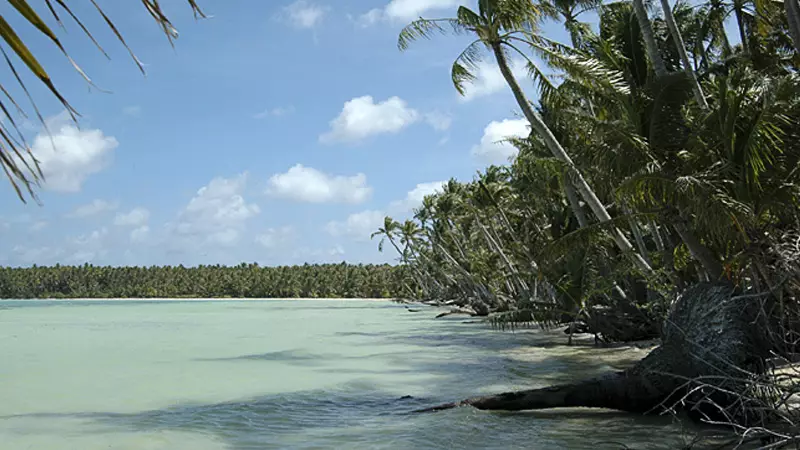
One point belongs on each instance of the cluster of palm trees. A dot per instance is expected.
(666, 155)
(242, 281)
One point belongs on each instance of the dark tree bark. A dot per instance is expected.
(711, 334)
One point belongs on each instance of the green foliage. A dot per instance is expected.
(242, 281)
(16, 159)
(704, 190)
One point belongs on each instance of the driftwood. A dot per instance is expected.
(467, 311)
(712, 342)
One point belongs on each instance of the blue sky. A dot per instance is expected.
(276, 132)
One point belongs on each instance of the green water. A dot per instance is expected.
(282, 374)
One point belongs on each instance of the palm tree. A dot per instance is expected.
(649, 38)
(687, 65)
(499, 26)
(389, 231)
(16, 159)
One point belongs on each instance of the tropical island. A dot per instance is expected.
(656, 197)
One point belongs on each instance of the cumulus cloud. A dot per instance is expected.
(359, 225)
(492, 148)
(414, 197)
(361, 118)
(407, 10)
(140, 234)
(306, 184)
(69, 156)
(488, 80)
(216, 215)
(276, 237)
(134, 218)
(94, 208)
(304, 14)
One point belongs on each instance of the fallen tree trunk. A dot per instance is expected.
(712, 343)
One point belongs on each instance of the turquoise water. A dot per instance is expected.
(283, 374)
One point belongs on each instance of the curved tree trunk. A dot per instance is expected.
(709, 337)
(687, 65)
(538, 125)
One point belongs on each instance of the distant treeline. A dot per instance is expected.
(242, 281)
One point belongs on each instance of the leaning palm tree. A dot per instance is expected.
(16, 158)
(669, 17)
(501, 26)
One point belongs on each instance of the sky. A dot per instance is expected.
(277, 132)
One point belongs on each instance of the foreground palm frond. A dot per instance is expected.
(16, 157)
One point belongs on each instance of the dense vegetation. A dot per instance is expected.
(243, 281)
(665, 156)
(657, 195)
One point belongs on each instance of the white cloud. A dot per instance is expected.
(140, 234)
(134, 218)
(303, 14)
(359, 225)
(92, 209)
(490, 81)
(306, 184)
(216, 215)
(277, 111)
(361, 118)
(414, 197)
(492, 149)
(92, 239)
(370, 17)
(439, 121)
(276, 237)
(77, 154)
(408, 10)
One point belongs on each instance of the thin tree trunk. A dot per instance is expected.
(687, 65)
(737, 9)
(792, 8)
(700, 252)
(637, 236)
(649, 40)
(574, 203)
(558, 151)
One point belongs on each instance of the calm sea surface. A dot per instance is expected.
(283, 374)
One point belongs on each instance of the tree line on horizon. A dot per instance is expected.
(204, 281)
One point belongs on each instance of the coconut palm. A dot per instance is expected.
(687, 65)
(16, 159)
(500, 26)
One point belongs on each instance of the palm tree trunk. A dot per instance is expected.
(687, 65)
(699, 251)
(737, 9)
(649, 40)
(558, 151)
(792, 8)
(574, 203)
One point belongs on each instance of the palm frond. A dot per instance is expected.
(16, 158)
(426, 28)
(465, 65)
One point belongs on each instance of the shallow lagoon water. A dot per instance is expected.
(285, 374)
